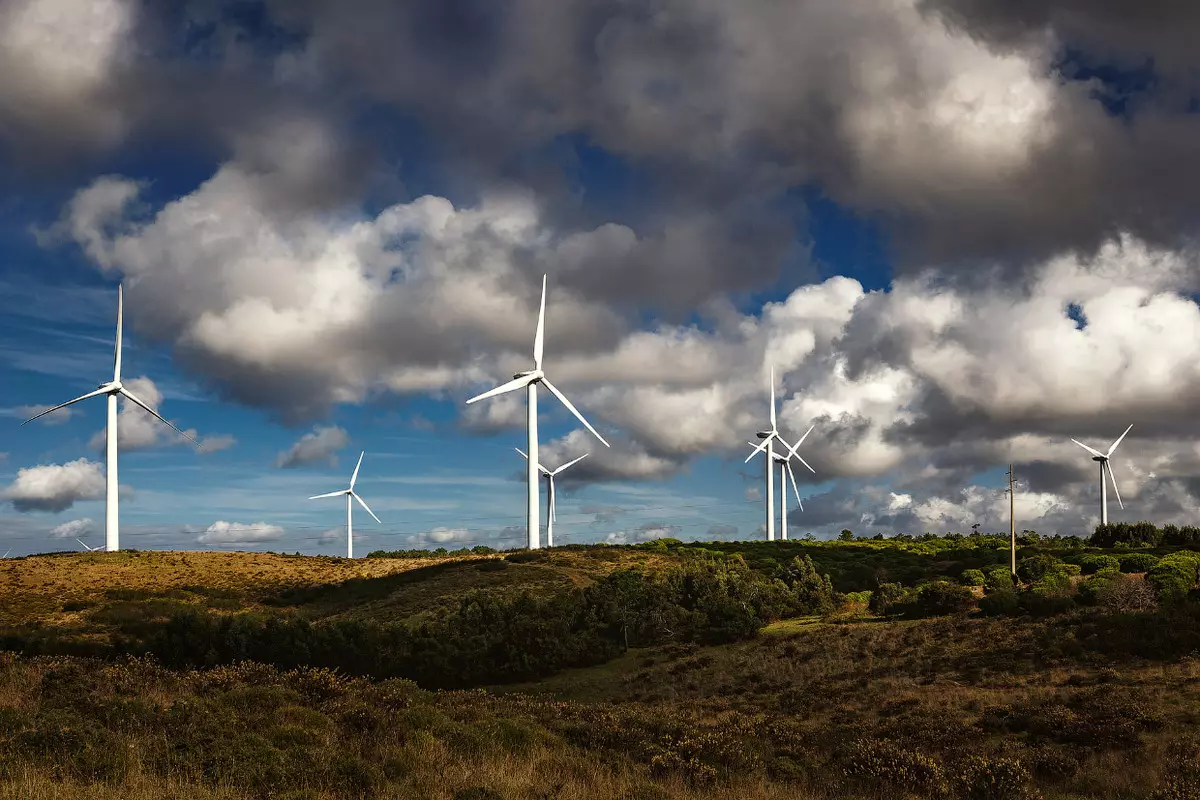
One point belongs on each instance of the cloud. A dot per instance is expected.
(953, 122)
(55, 487)
(721, 532)
(602, 515)
(240, 534)
(644, 533)
(449, 538)
(321, 444)
(75, 529)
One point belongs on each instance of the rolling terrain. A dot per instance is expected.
(657, 671)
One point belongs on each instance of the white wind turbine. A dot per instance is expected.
(6, 552)
(785, 468)
(768, 437)
(112, 390)
(98, 547)
(351, 495)
(1104, 465)
(550, 515)
(530, 381)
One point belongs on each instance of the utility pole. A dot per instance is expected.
(1012, 522)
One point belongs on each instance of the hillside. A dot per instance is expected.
(658, 671)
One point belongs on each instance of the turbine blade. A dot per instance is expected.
(101, 390)
(761, 446)
(772, 398)
(800, 441)
(805, 463)
(541, 469)
(1118, 441)
(329, 494)
(363, 503)
(120, 317)
(354, 477)
(569, 463)
(795, 489)
(129, 396)
(83, 543)
(539, 338)
(6, 552)
(1096, 453)
(1108, 466)
(515, 383)
(563, 399)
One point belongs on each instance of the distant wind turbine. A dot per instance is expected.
(785, 468)
(99, 547)
(768, 438)
(530, 381)
(550, 515)
(350, 495)
(112, 390)
(1104, 465)
(6, 552)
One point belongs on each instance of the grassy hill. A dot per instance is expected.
(658, 671)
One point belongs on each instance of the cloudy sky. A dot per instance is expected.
(960, 231)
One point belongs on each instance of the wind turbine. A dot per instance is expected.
(1104, 465)
(112, 390)
(768, 437)
(785, 468)
(530, 380)
(350, 495)
(550, 516)
(6, 552)
(90, 549)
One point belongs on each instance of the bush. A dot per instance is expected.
(1000, 603)
(881, 761)
(972, 577)
(887, 599)
(1036, 567)
(1138, 562)
(1094, 562)
(979, 778)
(999, 579)
(942, 598)
(1174, 576)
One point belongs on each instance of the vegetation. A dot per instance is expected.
(866, 668)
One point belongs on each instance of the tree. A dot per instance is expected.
(846, 535)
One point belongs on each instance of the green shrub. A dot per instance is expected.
(972, 577)
(528, 556)
(1138, 562)
(1094, 562)
(1174, 576)
(942, 598)
(1000, 603)
(999, 579)
(1036, 567)
(887, 599)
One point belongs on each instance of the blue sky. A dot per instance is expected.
(332, 223)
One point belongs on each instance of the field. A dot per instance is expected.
(657, 671)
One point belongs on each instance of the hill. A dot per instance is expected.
(658, 671)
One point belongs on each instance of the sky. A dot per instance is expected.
(961, 233)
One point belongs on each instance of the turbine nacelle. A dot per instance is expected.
(763, 434)
(1100, 459)
(537, 374)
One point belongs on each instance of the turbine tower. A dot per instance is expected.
(1104, 465)
(550, 516)
(768, 437)
(112, 390)
(351, 495)
(530, 380)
